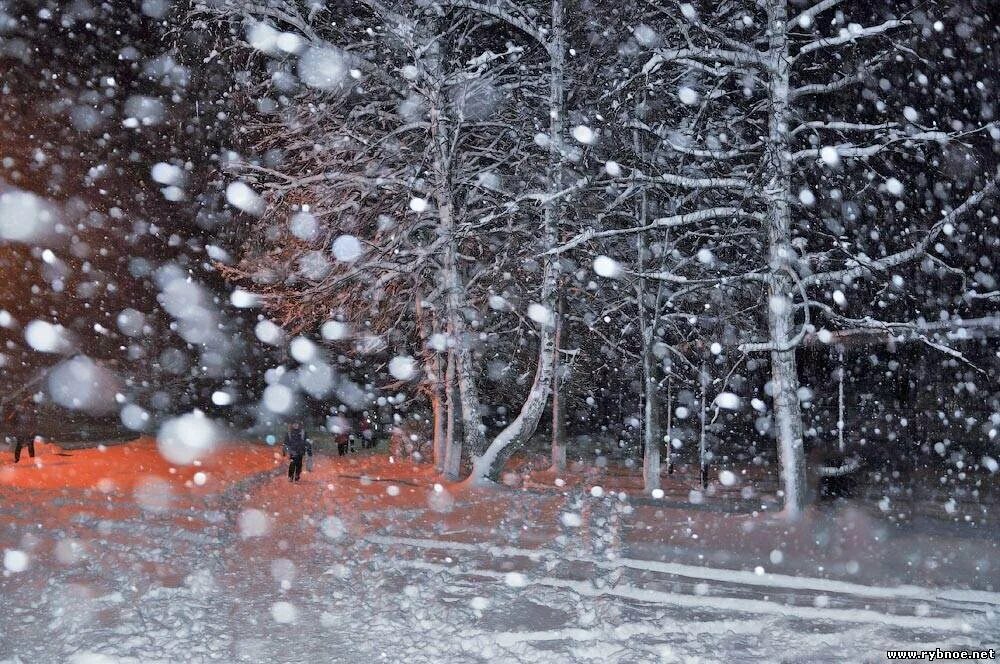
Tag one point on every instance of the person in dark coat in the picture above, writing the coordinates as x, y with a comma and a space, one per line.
7, 415
341, 430
365, 430
296, 447
21, 425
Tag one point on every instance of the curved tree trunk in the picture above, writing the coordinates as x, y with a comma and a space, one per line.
488, 465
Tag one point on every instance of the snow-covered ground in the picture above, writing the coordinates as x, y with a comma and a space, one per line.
109, 556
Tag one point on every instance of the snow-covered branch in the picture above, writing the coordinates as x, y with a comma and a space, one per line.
821, 125
844, 150
854, 151
685, 182
507, 15
866, 266
849, 35
784, 345
869, 330
901, 332
806, 17
704, 153
671, 221
866, 69
710, 55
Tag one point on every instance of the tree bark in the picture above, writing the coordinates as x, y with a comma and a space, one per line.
433, 385
440, 440
840, 401
453, 445
702, 443
651, 426
778, 190
558, 401
470, 404
670, 426
488, 465
454, 286
650, 388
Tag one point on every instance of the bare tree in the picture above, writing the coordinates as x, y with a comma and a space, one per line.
753, 150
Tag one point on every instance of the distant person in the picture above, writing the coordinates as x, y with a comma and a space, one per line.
7, 415
296, 447
343, 442
367, 435
22, 428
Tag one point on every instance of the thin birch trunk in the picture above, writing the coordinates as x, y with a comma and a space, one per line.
440, 440
840, 403
488, 465
558, 401
470, 405
702, 462
434, 385
670, 426
651, 425
784, 373
453, 446
650, 389
455, 293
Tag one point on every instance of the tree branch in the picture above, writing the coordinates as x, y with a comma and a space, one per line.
909, 254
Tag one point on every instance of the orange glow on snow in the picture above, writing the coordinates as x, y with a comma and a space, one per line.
122, 467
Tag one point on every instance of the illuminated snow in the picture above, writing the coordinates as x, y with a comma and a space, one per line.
347, 248
242, 197
605, 266
185, 439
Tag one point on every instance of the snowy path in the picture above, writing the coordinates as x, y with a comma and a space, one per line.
687, 585
256, 570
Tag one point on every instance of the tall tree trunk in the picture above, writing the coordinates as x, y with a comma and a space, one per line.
702, 442
650, 388
471, 407
440, 440
455, 293
558, 400
840, 401
453, 445
651, 424
433, 384
489, 464
670, 426
784, 373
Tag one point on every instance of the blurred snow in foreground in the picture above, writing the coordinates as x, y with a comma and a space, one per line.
222, 560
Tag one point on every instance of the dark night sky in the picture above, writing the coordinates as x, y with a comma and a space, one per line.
74, 73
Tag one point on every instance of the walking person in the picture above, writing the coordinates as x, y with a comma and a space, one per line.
365, 430
296, 447
7, 415
343, 431
21, 424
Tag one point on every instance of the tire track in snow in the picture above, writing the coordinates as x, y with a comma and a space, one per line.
947, 617
977, 599
728, 604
